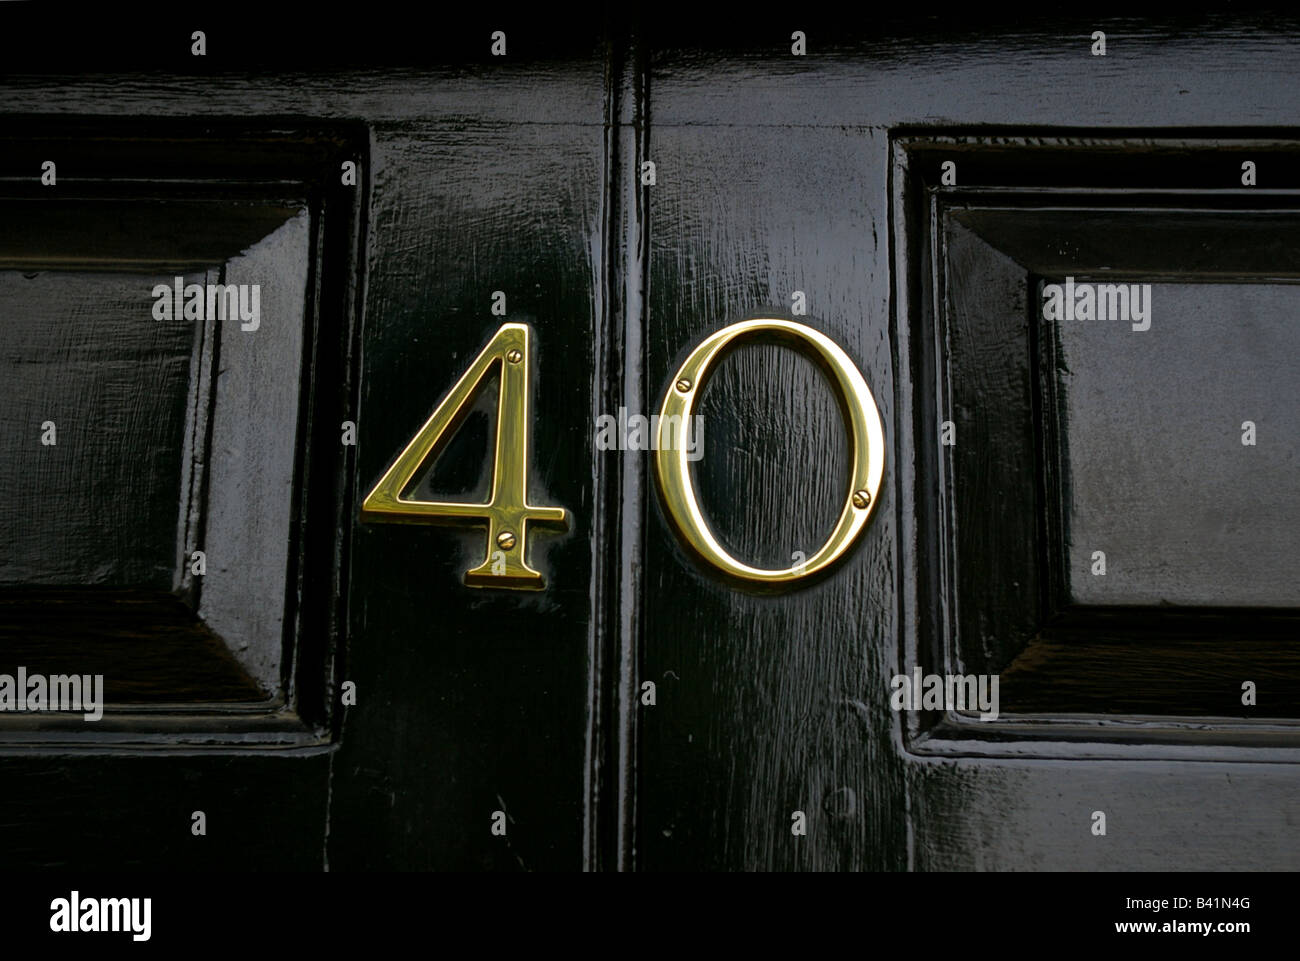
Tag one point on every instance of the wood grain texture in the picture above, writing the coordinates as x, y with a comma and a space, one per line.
132, 811
1031, 70
251, 451
769, 704
991, 811
1157, 474
774, 174
188, 696
1092, 672
131, 234
1036, 815
476, 701
148, 645
75, 350
993, 485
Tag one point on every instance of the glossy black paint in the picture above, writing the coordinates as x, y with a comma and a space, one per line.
774, 174
463, 680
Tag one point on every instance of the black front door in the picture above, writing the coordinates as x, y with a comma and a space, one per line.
337, 446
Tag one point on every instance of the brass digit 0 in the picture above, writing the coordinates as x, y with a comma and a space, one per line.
866, 437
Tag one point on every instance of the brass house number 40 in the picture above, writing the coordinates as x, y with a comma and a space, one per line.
508, 515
